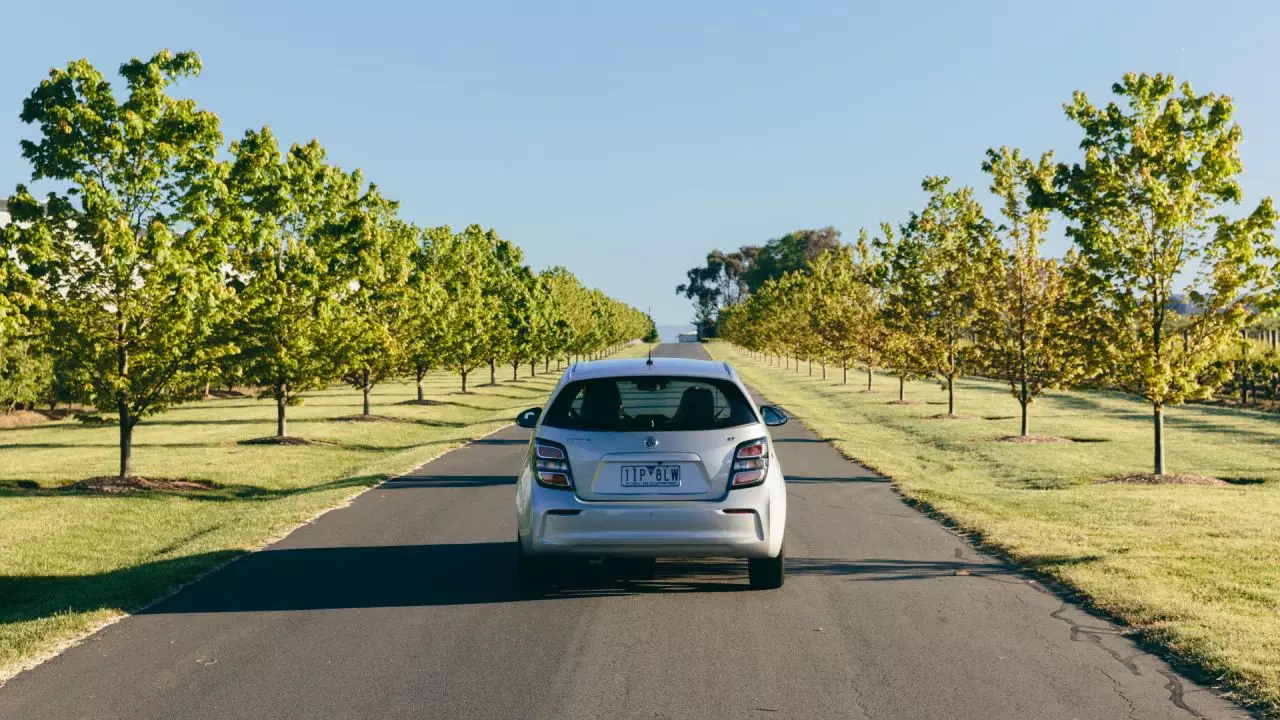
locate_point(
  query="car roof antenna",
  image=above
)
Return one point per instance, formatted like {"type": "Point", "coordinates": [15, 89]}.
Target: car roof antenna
{"type": "Point", "coordinates": [650, 360]}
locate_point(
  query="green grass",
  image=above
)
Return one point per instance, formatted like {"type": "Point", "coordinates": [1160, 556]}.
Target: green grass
{"type": "Point", "coordinates": [1194, 569]}
{"type": "Point", "coordinates": [70, 562]}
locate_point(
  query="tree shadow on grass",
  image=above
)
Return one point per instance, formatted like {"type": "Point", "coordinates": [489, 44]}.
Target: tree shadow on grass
{"type": "Point", "coordinates": [509, 396]}
{"type": "Point", "coordinates": [220, 493]}
{"type": "Point", "coordinates": [49, 445]}
{"type": "Point", "coordinates": [1207, 426]}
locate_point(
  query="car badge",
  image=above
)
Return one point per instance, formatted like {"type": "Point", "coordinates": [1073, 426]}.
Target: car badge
{"type": "Point", "coordinates": [651, 442]}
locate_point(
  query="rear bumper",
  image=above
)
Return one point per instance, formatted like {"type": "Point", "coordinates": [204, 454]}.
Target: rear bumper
{"type": "Point", "coordinates": [748, 523]}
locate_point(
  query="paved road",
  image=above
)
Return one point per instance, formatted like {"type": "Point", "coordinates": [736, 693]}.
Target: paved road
{"type": "Point", "coordinates": [404, 605]}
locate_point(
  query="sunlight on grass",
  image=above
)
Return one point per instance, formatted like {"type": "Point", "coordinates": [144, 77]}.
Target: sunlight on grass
{"type": "Point", "coordinates": [1194, 568]}
{"type": "Point", "coordinates": [71, 561]}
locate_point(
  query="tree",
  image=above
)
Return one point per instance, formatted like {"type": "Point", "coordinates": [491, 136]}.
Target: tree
{"type": "Point", "coordinates": [26, 375]}
{"type": "Point", "coordinates": [1146, 207]}
{"type": "Point", "coordinates": [503, 286]}
{"type": "Point", "coordinates": [867, 302]}
{"type": "Point", "coordinates": [460, 330]}
{"type": "Point", "coordinates": [425, 303]}
{"type": "Point", "coordinates": [791, 252]}
{"type": "Point", "coordinates": [287, 264]}
{"type": "Point", "coordinates": [946, 252]}
{"type": "Point", "coordinates": [522, 311]}
{"type": "Point", "coordinates": [904, 350]}
{"type": "Point", "coordinates": [1025, 332]}
{"type": "Point", "coordinates": [129, 257]}
{"type": "Point", "coordinates": [369, 345]}
{"type": "Point", "coordinates": [832, 291]}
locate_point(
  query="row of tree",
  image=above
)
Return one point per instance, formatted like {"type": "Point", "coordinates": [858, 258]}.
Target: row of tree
{"type": "Point", "coordinates": [165, 264]}
{"type": "Point", "coordinates": [950, 292]}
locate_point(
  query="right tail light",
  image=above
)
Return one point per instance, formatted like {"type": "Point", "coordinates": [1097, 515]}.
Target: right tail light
{"type": "Point", "coordinates": [750, 463]}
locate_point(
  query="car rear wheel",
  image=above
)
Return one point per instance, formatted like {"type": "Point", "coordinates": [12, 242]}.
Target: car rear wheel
{"type": "Point", "coordinates": [767, 573]}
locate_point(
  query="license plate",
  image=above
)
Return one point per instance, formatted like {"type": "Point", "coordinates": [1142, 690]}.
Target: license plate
{"type": "Point", "coordinates": [650, 476]}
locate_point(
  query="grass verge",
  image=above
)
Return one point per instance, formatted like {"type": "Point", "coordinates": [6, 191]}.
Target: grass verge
{"type": "Point", "coordinates": [1195, 569]}
{"type": "Point", "coordinates": [72, 561]}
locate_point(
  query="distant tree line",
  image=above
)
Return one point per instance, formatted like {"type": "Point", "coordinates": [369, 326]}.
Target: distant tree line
{"type": "Point", "coordinates": [1161, 276]}
{"type": "Point", "coordinates": [164, 264]}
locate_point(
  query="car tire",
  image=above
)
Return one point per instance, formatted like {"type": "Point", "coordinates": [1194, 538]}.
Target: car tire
{"type": "Point", "coordinates": [767, 573]}
{"type": "Point", "coordinates": [534, 573]}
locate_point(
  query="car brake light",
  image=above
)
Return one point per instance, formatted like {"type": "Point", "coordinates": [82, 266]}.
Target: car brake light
{"type": "Point", "coordinates": [750, 463]}
{"type": "Point", "coordinates": [550, 464]}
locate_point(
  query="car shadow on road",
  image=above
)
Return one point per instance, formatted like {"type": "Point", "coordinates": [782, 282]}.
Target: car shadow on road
{"type": "Point", "coordinates": [324, 578]}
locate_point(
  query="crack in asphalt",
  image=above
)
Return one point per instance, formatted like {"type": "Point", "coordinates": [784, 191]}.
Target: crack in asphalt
{"type": "Point", "coordinates": [1094, 635]}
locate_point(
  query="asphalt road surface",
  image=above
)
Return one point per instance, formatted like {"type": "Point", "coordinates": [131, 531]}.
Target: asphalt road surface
{"type": "Point", "coordinates": [405, 605]}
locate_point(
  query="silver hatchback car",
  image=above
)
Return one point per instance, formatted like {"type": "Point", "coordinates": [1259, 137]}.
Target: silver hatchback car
{"type": "Point", "coordinates": [665, 457]}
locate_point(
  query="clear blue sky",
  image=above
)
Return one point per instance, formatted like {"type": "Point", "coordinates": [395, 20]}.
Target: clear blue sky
{"type": "Point", "coordinates": [624, 140]}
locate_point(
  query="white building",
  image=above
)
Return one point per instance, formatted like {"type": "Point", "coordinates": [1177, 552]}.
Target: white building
{"type": "Point", "coordinates": [4, 212]}
{"type": "Point", "coordinates": [688, 337]}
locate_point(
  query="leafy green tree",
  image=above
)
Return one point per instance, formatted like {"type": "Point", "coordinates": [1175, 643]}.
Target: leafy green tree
{"type": "Point", "coordinates": [425, 303]}
{"type": "Point", "coordinates": [944, 256]}
{"type": "Point", "coordinates": [1146, 209]}
{"type": "Point", "coordinates": [522, 313]}
{"type": "Point", "coordinates": [460, 329]}
{"type": "Point", "coordinates": [286, 262]}
{"type": "Point", "coordinates": [26, 375]}
{"type": "Point", "coordinates": [575, 304]}
{"type": "Point", "coordinates": [370, 346]}
{"type": "Point", "coordinates": [867, 300]}
{"type": "Point", "coordinates": [831, 289]}
{"type": "Point", "coordinates": [789, 253]}
{"type": "Point", "coordinates": [129, 256]}
{"type": "Point", "coordinates": [1025, 331]}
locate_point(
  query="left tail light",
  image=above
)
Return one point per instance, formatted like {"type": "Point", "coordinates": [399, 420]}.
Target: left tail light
{"type": "Point", "coordinates": [750, 463]}
{"type": "Point", "coordinates": [550, 463]}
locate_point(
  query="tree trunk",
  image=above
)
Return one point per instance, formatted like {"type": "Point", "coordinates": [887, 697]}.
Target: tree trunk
{"type": "Point", "coordinates": [364, 388]}
{"type": "Point", "coordinates": [126, 441]}
{"type": "Point", "coordinates": [515, 370]}
{"type": "Point", "coordinates": [902, 389]}
{"type": "Point", "coordinates": [421, 372]}
{"type": "Point", "coordinates": [208, 387]}
{"type": "Point", "coordinates": [464, 379]}
{"type": "Point", "coordinates": [1158, 417]}
{"type": "Point", "coordinates": [824, 369]}
{"type": "Point", "coordinates": [282, 401]}
{"type": "Point", "coordinates": [493, 371]}
{"type": "Point", "coordinates": [868, 377]}
{"type": "Point", "coordinates": [533, 368]}
{"type": "Point", "coordinates": [951, 394]}
{"type": "Point", "coordinates": [810, 368]}
{"type": "Point", "coordinates": [547, 366]}
{"type": "Point", "coordinates": [1025, 405]}
{"type": "Point", "coordinates": [844, 372]}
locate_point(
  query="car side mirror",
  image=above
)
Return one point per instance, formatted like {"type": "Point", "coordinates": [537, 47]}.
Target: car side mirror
{"type": "Point", "coordinates": [529, 418]}
{"type": "Point", "coordinates": [772, 415]}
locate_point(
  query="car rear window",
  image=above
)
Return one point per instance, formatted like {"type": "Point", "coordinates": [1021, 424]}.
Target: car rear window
{"type": "Point", "coordinates": [620, 404]}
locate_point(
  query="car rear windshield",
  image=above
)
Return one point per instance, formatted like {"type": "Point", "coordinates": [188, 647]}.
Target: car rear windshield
{"type": "Point", "coordinates": [620, 404]}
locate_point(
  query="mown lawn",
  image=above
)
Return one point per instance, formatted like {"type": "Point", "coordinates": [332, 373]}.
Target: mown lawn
{"type": "Point", "coordinates": [1195, 569]}
{"type": "Point", "coordinates": [71, 561]}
